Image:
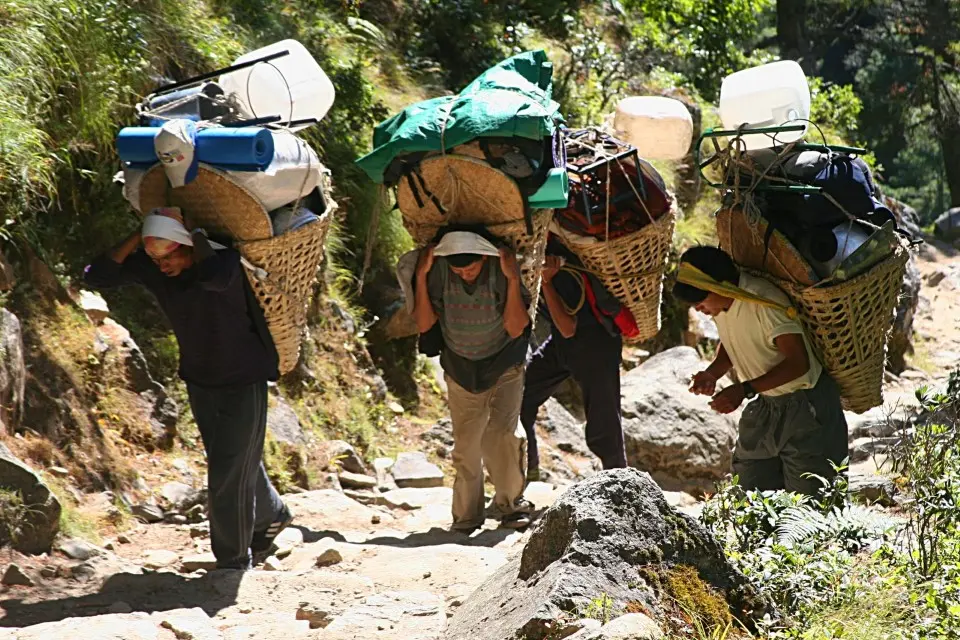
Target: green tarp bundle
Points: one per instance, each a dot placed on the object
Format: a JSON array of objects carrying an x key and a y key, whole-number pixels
[{"x": 512, "y": 99}]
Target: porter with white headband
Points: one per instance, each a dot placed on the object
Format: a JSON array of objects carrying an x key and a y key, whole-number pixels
[{"x": 227, "y": 356}]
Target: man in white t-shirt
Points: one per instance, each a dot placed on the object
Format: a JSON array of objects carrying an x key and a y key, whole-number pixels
[{"x": 793, "y": 425}]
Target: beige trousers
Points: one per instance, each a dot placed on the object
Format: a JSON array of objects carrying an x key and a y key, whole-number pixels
[{"x": 487, "y": 431}]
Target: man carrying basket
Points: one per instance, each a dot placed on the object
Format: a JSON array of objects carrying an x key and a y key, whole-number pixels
[
  {"x": 586, "y": 324},
  {"x": 226, "y": 359},
  {"x": 794, "y": 425},
  {"x": 468, "y": 293}
]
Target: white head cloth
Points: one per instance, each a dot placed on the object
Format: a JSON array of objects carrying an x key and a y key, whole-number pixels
[{"x": 457, "y": 242}]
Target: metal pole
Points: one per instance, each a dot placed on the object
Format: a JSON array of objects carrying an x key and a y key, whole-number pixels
[{"x": 206, "y": 76}]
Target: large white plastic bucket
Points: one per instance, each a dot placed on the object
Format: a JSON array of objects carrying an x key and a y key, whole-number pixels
[
  {"x": 766, "y": 96},
  {"x": 660, "y": 128},
  {"x": 293, "y": 87}
]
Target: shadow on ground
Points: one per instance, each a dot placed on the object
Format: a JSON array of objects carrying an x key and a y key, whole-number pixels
[
  {"x": 149, "y": 593},
  {"x": 431, "y": 538}
]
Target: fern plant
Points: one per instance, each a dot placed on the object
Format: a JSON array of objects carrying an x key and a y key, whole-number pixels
[{"x": 853, "y": 525}]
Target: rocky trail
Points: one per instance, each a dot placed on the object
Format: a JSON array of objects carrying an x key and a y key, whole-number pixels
[
  {"x": 357, "y": 563},
  {"x": 373, "y": 557}
]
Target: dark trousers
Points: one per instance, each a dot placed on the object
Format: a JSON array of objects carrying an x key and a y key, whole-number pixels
[
  {"x": 233, "y": 425},
  {"x": 781, "y": 439},
  {"x": 592, "y": 357}
]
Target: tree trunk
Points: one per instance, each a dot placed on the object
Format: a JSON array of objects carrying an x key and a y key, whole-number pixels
[
  {"x": 688, "y": 184},
  {"x": 792, "y": 32},
  {"x": 949, "y": 133}
]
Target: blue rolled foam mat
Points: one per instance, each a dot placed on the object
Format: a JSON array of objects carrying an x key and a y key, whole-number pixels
[
  {"x": 235, "y": 149},
  {"x": 239, "y": 149},
  {"x": 135, "y": 144}
]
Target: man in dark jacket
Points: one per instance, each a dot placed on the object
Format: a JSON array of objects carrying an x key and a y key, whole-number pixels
[
  {"x": 585, "y": 344},
  {"x": 226, "y": 361}
]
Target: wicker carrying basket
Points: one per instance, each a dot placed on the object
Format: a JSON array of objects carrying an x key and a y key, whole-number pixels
[
  {"x": 290, "y": 261},
  {"x": 849, "y": 324},
  {"x": 212, "y": 201},
  {"x": 775, "y": 254},
  {"x": 473, "y": 192},
  {"x": 469, "y": 190},
  {"x": 631, "y": 268},
  {"x": 286, "y": 264}
]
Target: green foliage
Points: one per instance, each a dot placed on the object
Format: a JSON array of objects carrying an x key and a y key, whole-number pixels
[
  {"x": 70, "y": 72},
  {"x": 459, "y": 38},
  {"x": 704, "y": 40},
  {"x": 707, "y": 609},
  {"x": 799, "y": 552},
  {"x": 836, "y": 570},
  {"x": 13, "y": 514},
  {"x": 903, "y": 56},
  {"x": 600, "y": 608},
  {"x": 930, "y": 465},
  {"x": 835, "y": 109},
  {"x": 276, "y": 460},
  {"x": 593, "y": 75}
]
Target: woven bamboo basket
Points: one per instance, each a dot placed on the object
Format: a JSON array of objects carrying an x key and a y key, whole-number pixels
[
  {"x": 212, "y": 201},
  {"x": 530, "y": 249},
  {"x": 472, "y": 192},
  {"x": 289, "y": 263},
  {"x": 776, "y": 256},
  {"x": 849, "y": 324},
  {"x": 631, "y": 268},
  {"x": 468, "y": 189},
  {"x": 285, "y": 266}
]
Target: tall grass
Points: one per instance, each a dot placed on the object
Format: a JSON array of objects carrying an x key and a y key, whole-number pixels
[{"x": 70, "y": 73}]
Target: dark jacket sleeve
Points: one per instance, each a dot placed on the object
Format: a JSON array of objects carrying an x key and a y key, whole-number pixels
[
  {"x": 105, "y": 273},
  {"x": 218, "y": 272}
]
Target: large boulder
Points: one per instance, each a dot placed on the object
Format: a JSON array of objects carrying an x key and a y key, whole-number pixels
[
  {"x": 284, "y": 424},
  {"x": 564, "y": 431},
  {"x": 31, "y": 513},
  {"x": 13, "y": 372},
  {"x": 947, "y": 226},
  {"x": 670, "y": 433},
  {"x": 613, "y": 534}
]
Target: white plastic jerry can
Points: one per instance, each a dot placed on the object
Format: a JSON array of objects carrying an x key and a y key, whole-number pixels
[
  {"x": 660, "y": 128},
  {"x": 770, "y": 95},
  {"x": 293, "y": 87}
]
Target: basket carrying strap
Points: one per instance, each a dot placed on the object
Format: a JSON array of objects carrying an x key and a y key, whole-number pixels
[
  {"x": 423, "y": 185},
  {"x": 689, "y": 274}
]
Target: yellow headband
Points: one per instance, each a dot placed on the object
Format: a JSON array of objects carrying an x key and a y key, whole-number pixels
[{"x": 689, "y": 274}]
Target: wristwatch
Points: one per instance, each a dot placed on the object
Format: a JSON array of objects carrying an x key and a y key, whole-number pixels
[{"x": 748, "y": 391}]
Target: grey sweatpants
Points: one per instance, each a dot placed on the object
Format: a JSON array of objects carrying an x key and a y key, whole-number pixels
[
  {"x": 782, "y": 438},
  {"x": 233, "y": 425}
]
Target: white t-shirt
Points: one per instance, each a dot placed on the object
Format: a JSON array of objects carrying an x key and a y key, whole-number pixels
[{"x": 747, "y": 332}]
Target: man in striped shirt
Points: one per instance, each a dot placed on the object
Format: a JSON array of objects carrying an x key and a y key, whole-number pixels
[{"x": 471, "y": 291}]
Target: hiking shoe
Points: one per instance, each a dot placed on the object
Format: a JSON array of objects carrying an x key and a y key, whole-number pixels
[
  {"x": 515, "y": 520},
  {"x": 466, "y": 526},
  {"x": 522, "y": 505},
  {"x": 263, "y": 540}
]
